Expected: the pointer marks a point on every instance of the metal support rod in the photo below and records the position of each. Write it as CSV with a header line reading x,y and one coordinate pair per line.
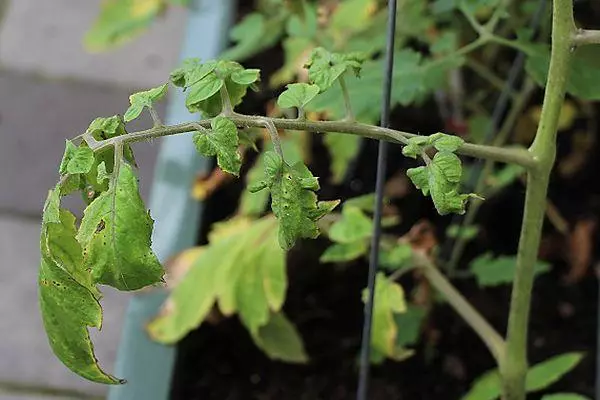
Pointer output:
x,y
365,353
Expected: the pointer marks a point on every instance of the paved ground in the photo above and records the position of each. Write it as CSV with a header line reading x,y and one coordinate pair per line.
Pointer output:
x,y
50,89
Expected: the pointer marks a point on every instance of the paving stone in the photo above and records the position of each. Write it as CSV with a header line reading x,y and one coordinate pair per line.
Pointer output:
x,y
46,37
25,355
36,116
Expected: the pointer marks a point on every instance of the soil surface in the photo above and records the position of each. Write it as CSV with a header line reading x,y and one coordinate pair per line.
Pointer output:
x,y
221,362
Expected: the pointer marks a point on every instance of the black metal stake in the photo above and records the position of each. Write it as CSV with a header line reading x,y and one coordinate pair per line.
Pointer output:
x,y
365,351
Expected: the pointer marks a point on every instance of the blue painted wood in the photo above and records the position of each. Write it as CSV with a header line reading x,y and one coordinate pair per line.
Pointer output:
x,y
146,365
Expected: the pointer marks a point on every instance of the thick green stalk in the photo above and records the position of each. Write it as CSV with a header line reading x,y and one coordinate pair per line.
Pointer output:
x,y
513,367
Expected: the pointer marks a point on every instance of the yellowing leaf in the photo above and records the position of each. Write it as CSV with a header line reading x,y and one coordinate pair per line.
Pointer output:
x,y
280,340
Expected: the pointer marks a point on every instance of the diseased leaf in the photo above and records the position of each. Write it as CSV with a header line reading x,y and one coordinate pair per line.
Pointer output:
x,y
341,252
343,149
222,141
493,271
102,174
293,200
81,161
68,300
389,300
144,99
280,340
352,227
115,235
297,95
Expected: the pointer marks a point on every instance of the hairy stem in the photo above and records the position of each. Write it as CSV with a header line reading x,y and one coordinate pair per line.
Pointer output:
x,y
585,36
155,117
513,367
347,103
274,137
506,155
225,101
476,321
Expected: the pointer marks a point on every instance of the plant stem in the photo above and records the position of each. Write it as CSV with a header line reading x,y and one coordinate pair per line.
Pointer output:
x,y
480,325
586,36
513,367
225,101
506,155
155,117
274,137
347,103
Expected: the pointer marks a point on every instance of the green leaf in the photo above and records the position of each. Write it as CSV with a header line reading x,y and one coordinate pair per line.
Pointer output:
x,y
120,21
102,174
399,256
280,340
297,95
389,300
115,234
343,149
503,177
143,99
324,68
70,150
341,252
463,232
443,142
353,226
584,78
68,300
365,202
293,200
446,43
189,303
493,271
253,34
246,77
540,376
204,89
550,371
409,325
81,161
222,141
565,396
420,178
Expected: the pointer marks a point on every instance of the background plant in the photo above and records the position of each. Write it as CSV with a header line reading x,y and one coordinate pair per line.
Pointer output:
x,y
337,85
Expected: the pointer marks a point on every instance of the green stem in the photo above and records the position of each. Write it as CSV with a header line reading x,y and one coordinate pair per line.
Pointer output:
x,y
513,367
227,109
480,325
274,137
585,36
506,155
155,117
347,102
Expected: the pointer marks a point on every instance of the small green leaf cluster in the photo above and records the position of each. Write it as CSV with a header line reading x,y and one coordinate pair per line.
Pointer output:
x,y
211,83
441,176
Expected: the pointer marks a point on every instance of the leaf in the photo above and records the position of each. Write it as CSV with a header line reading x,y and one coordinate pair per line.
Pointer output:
x,y
246,77
352,227
143,99
190,301
540,376
395,258
293,200
463,232
120,21
222,141
70,150
340,252
280,340
253,34
204,89
297,95
389,300
503,177
102,174
365,202
68,300
343,149
548,372
81,161
584,77
409,325
490,271
115,235
324,68
565,396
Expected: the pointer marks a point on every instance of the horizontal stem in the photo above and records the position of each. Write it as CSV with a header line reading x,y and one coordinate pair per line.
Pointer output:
x,y
501,154
476,321
586,36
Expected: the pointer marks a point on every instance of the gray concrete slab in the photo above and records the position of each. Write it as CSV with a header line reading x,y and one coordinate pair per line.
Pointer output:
x,y
46,37
25,355
36,116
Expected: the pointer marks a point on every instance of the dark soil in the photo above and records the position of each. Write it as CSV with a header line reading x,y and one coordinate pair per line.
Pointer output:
x,y
221,362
